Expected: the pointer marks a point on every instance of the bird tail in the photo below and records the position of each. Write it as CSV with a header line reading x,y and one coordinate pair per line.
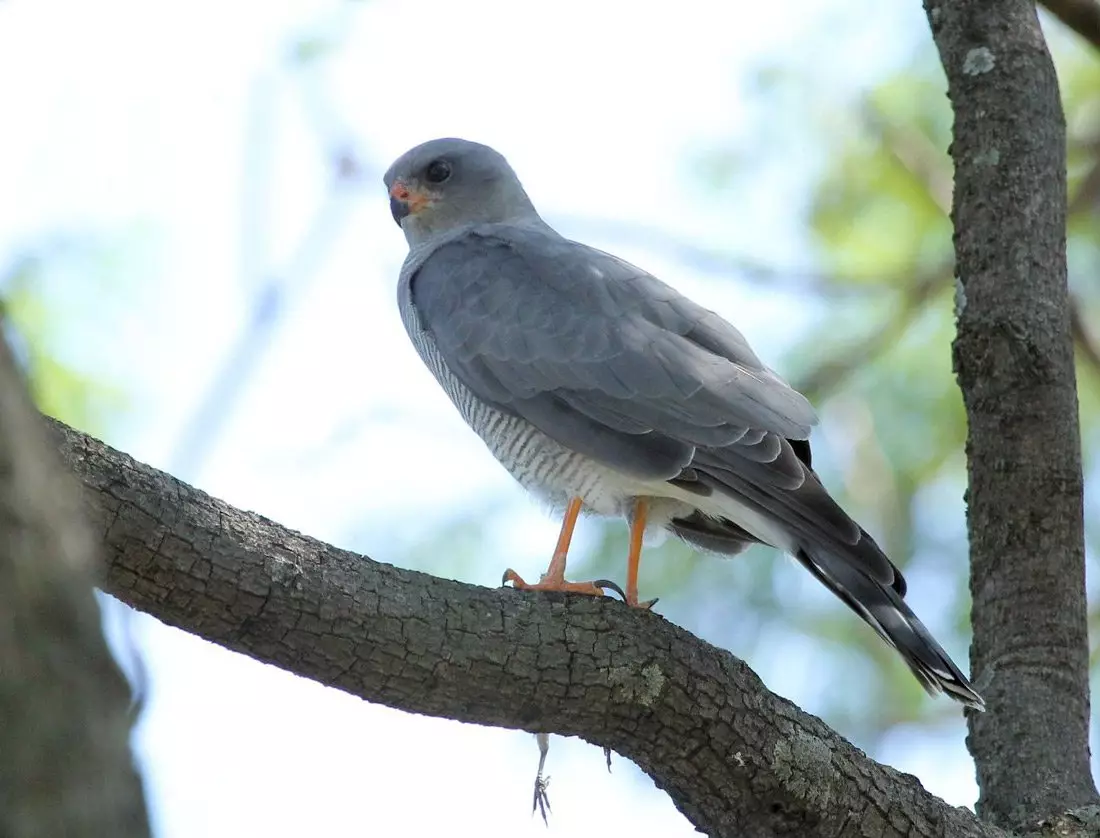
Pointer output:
x,y
883,608
718,535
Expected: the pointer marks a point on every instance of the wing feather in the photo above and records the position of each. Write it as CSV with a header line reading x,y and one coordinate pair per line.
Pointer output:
x,y
540,326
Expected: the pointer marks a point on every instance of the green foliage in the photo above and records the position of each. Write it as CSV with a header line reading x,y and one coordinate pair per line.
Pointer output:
x,y
40,322
876,188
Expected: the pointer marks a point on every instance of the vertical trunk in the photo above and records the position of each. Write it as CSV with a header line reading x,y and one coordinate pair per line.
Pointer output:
x,y
66,768
1014,361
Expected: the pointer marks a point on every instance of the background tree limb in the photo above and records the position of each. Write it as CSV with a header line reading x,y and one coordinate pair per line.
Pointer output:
x,y
1014,360
1082,16
66,767
736,759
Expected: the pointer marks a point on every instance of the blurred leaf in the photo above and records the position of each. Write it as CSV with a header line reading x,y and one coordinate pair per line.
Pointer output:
x,y
36,323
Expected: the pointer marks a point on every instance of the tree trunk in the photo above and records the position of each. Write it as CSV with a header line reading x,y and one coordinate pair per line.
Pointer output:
x,y
65,762
1014,360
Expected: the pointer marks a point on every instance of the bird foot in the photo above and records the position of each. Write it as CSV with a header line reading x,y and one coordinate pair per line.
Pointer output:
x,y
596,588
550,584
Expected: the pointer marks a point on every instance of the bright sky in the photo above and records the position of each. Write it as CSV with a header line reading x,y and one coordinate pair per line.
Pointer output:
x,y
128,117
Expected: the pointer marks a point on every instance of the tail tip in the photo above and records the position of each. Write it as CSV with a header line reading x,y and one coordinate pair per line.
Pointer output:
x,y
955,686
965,695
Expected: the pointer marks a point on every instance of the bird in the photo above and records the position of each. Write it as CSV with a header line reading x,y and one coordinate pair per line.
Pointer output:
x,y
602,389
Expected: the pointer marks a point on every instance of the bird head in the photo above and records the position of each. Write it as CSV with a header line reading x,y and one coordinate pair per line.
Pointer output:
x,y
444,185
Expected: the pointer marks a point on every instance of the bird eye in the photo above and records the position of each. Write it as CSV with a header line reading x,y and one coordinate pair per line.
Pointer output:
x,y
438,171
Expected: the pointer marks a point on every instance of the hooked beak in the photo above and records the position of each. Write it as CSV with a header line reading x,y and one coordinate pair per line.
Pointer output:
x,y
405,201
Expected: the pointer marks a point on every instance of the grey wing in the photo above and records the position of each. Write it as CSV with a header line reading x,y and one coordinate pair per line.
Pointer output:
x,y
596,353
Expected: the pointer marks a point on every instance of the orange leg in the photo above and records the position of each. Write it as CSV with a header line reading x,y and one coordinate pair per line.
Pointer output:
x,y
634,557
554,578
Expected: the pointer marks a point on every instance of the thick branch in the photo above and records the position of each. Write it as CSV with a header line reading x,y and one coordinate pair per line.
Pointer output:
x,y
1014,360
66,767
736,759
1082,16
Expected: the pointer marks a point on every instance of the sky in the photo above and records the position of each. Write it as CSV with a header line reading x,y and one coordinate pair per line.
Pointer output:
x,y
182,132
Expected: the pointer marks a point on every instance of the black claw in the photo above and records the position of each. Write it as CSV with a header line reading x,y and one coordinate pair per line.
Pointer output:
x,y
504,579
607,583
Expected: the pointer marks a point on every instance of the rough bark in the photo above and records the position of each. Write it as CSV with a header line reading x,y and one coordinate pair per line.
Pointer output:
x,y
736,759
66,767
1014,360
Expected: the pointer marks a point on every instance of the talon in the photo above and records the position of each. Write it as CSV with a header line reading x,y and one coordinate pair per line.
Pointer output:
x,y
513,577
607,583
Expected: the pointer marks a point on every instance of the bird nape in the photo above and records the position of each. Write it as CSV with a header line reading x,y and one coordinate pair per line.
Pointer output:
x,y
601,388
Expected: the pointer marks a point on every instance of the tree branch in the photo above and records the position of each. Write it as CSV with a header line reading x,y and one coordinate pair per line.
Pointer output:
x,y
1014,361
736,759
726,265
829,375
1082,16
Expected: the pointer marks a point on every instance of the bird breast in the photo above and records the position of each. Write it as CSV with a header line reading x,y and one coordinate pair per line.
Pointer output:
x,y
539,463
